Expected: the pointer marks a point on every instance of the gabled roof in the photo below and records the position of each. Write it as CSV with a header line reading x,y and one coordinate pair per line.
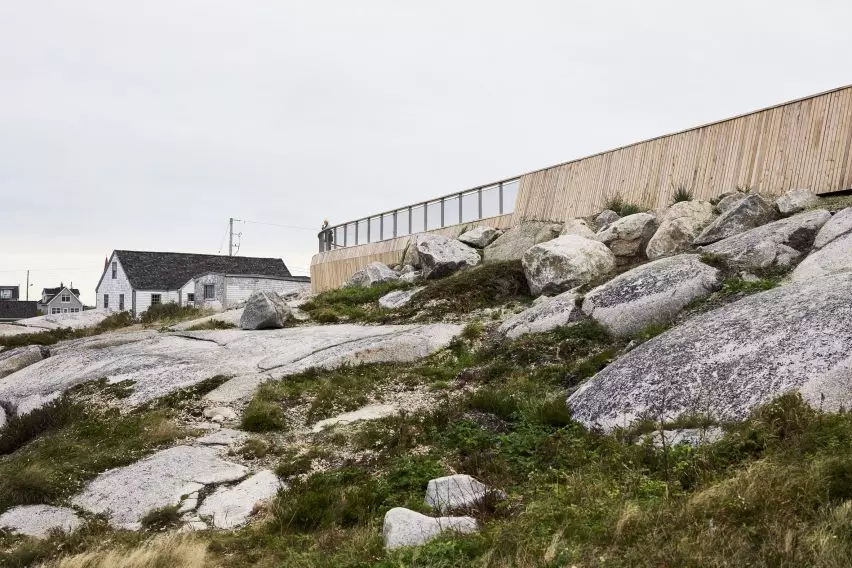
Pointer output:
x,y
171,270
12,309
55,291
57,295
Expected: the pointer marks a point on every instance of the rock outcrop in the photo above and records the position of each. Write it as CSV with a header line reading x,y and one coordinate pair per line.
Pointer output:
x,y
480,237
577,227
836,256
779,243
455,492
230,507
16,359
372,274
606,218
39,520
398,298
628,237
564,263
160,480
725,362
679,226
650,294
840,224
264,310
546,314
440,256
514,242
404,527
737,217
369,412
796,201
729,200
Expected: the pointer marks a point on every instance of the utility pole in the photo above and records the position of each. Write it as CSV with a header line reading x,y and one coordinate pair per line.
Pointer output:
x,y
28,286
231,237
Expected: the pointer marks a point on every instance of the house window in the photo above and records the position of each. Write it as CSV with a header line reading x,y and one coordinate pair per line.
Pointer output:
x,y
75,310
114,270
66,298
64,310
190,297
156,299
209,291
54,310
121,302
106,301
5,294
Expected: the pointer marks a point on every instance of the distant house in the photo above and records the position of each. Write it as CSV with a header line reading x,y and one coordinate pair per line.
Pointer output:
x,y
134,280
61,300
9,292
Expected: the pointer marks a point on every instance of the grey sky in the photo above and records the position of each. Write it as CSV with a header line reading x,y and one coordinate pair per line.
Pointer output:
x,y
145,125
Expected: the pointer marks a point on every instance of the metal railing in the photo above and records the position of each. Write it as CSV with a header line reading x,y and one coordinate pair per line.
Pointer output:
x,y
453,209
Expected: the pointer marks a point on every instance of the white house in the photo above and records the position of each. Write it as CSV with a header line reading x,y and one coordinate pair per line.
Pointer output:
x,y
134,280
61,300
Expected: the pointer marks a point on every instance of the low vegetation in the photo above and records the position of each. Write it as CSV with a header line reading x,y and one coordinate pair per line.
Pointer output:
x,y
49,337
623,208
169,313
681,194
211,325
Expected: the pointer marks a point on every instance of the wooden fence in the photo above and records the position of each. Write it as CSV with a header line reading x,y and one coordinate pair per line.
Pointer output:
x,y
803,143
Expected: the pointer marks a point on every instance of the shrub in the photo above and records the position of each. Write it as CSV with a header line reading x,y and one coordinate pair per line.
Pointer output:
x,y
169,311
263,416
212,325
161,519
472,330
623,208
681,194
21,429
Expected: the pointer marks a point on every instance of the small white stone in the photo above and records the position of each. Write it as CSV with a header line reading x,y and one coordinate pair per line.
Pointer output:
x,y
456,492
223,411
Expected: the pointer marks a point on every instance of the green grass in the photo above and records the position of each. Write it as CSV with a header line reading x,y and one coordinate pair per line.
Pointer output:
x,y
161,519
681,194
211,325
169,313
50,337
351,303
834,202
84,442
623,208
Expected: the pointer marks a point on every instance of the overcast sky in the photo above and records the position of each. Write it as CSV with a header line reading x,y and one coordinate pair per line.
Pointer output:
x,y
145,125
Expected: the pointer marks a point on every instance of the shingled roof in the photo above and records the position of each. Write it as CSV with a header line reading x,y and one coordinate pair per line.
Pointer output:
x,y
171,270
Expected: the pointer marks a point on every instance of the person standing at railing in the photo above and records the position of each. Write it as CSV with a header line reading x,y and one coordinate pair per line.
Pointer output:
x,y
326,237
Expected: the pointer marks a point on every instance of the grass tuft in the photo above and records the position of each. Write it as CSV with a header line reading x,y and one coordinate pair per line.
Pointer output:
x,y
682,193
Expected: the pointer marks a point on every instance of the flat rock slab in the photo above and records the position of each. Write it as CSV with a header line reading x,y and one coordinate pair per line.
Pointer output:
x,y
160,363
222,437
163,479
230,507
39,520
398,298
229,316
370,412
727,361
366,344
650,294
8,330
454,492
79,320
545,315
404,527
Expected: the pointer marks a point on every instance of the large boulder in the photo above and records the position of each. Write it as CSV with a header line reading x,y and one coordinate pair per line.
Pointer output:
x,y
440,256
747,213
606,218
546,314
725,362
565,263
628,237
729,200
230,507
265,310
796,201
480,236
513,243
679,226
404,527
372,274
454,492
166,478
650,294
839,224
20,357
578,227
779,243
836,256
398,298
39,520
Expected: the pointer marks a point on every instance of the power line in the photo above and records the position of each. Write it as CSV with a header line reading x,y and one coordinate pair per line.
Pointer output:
x,y
280,225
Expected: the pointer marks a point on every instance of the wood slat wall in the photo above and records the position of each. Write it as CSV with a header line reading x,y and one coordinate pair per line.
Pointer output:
x,y
330,269
805,143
